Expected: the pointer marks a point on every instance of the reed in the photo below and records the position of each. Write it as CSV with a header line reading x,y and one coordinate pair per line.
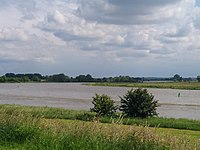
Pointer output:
x,y
163,85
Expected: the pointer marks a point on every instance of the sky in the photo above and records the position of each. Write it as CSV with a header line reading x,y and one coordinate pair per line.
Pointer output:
x,y
157,38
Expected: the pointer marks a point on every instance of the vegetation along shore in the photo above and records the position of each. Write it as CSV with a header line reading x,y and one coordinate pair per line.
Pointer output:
x,y
28,127
163,85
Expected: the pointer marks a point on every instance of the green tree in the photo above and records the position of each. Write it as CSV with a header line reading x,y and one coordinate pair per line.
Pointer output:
x,y
58,78
36,79
25,79
177,78
138,103
103,105
198,78
84,78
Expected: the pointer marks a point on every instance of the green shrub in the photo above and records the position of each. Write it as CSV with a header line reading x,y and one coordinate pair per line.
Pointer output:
x,y
103,105
138,103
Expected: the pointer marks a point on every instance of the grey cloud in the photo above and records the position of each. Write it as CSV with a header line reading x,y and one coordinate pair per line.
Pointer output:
x,y
128,44
92,46
182,32
143,3
56,17
26,7
71,37
180,36
132,53
164,51
197,19
124,12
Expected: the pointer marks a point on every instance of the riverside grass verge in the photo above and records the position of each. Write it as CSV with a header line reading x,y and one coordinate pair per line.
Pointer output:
x,y
60,113
164,85
22,132
19,131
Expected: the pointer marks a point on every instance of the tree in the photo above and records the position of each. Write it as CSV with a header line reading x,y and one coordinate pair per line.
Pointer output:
x,y
198,78
103,105
84,78
89,78
138,103
10,75
58,78
25,79
36,78
177,78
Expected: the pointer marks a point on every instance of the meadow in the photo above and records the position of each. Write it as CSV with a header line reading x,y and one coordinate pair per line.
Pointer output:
x,y
28,127
163,85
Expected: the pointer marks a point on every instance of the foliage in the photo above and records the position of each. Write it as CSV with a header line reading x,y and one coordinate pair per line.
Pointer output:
x,y
103,105
17,128
177,78
122,79
36,77
198,78
60,113
20,132
164,85
84,78
138,103
15,78
58,78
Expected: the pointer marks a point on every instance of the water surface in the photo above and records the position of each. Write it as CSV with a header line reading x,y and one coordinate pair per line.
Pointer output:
x,y
78,96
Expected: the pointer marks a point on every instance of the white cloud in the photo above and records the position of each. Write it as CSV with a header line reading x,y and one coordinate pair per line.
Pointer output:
x,y
114,31
56,17
12,34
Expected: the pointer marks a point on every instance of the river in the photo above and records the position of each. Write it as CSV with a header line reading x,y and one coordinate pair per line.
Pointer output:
x,y
78,96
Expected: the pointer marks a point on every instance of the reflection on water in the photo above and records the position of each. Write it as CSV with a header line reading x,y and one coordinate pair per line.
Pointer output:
x,y
77,96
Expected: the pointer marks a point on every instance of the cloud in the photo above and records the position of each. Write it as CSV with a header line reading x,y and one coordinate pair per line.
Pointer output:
x,y
56,17
92,33
129,12
12,34
71,37
126,29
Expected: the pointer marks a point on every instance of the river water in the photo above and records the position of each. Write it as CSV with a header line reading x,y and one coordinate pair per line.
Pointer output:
x,y
78,96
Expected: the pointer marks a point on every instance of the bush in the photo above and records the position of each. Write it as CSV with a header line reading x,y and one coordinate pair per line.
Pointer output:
x,y
103,105
138,103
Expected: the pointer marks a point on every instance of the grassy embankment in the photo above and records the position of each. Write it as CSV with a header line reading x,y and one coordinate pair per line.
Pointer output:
x,y
25,127
164,85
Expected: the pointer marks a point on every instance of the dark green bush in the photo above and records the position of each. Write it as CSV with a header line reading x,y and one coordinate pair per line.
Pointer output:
x,y
138,103
103,105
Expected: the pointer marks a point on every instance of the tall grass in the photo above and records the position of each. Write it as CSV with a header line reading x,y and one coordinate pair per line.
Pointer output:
x,y
16,130
158,122
22,132
59,113
46,112
20,129
168,85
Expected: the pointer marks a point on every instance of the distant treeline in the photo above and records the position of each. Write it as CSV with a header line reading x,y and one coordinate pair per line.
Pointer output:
x,y
36,77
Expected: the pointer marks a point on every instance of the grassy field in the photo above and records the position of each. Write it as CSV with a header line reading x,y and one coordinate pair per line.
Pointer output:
x,y
168,85
27,127
83,115
20,132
